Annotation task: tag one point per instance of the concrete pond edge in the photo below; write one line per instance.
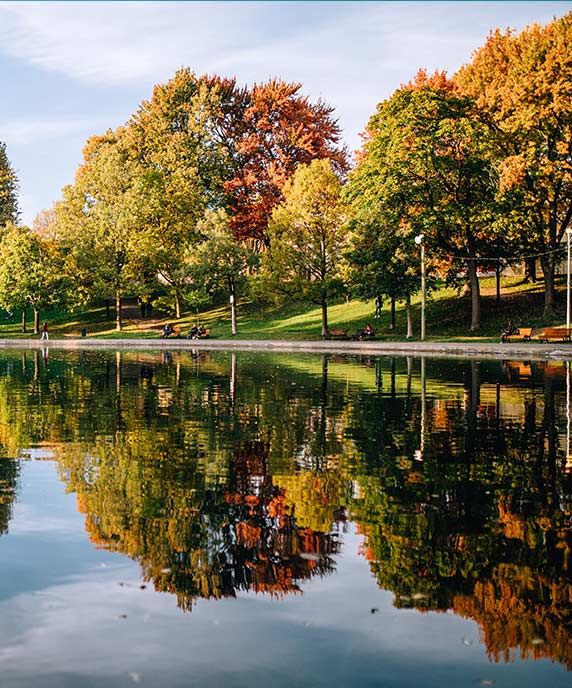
(465, 350)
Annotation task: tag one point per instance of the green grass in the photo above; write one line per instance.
(448, 317)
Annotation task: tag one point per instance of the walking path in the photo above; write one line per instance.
(523, 351)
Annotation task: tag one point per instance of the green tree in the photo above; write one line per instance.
(30, 272)
(173, 139)
(383, 260)
(8, 189)
(426, 167)
(308, 235)
(101, 221)
(219, 262)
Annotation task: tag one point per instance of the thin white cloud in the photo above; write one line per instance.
(351, 54)
(118, 43)
(24, 132)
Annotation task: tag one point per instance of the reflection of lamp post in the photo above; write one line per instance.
(568, 232)
(419, 452)
(568, 466)
(419, 241)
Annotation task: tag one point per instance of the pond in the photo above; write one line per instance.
(195, 518)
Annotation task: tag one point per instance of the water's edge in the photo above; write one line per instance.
(521, 351)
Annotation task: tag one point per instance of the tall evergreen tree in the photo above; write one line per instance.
(8, 189)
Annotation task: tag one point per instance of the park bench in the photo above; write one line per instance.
(337, 333)
(523, 334)
(561, 334)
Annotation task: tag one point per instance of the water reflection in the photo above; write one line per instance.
(234, 472)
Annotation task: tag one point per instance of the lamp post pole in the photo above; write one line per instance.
(568, 232)
(419, 241)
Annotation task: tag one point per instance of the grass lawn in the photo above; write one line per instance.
(448, 317)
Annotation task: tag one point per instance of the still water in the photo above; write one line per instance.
(220, 519)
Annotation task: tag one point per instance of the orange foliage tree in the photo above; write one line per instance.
(269, 130)
(522, 85)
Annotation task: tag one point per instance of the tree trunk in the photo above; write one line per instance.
(36, 320)
(392, 324)
(324, 319)
(118, 311)
(530, 270)
(232, 307)
(177, 305)
(475, 295)
(24, 320)
(498, 276)
(473, 405)
(409, 314)
(548, 265)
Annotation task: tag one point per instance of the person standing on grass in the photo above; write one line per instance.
(45, 331)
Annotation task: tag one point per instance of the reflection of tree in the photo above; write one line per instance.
(9, 471)
(193, 538)
(217, 488)
(270, 547)
(482, 525)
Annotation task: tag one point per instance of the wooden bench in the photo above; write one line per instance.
(337, 333)
(523, 334)
(560, 334)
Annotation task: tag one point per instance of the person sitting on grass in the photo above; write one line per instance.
(194, 333)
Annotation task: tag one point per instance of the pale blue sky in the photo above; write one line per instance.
(72, 69)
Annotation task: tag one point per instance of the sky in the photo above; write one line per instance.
(69, 70)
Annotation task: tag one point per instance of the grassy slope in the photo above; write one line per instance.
(448, 318)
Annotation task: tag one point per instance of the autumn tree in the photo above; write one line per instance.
(522, 85)
(8, 189)
(307, 236)
(269, 130)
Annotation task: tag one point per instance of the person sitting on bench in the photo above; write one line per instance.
(367, 331)
(508, 330)
(167, 331)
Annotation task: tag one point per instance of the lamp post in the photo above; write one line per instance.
(419, 241)
(568, 232)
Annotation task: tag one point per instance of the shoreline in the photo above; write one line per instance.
(485, 350)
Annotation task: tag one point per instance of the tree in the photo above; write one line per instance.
(8, 189)
(269, 131)
(30, 272)
(101, 221)
(382, 259)
(173, 139)
(219, 262)
(426, 167)
(308, 235)
(522, 85)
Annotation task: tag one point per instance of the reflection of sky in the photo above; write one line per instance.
(71, 615)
